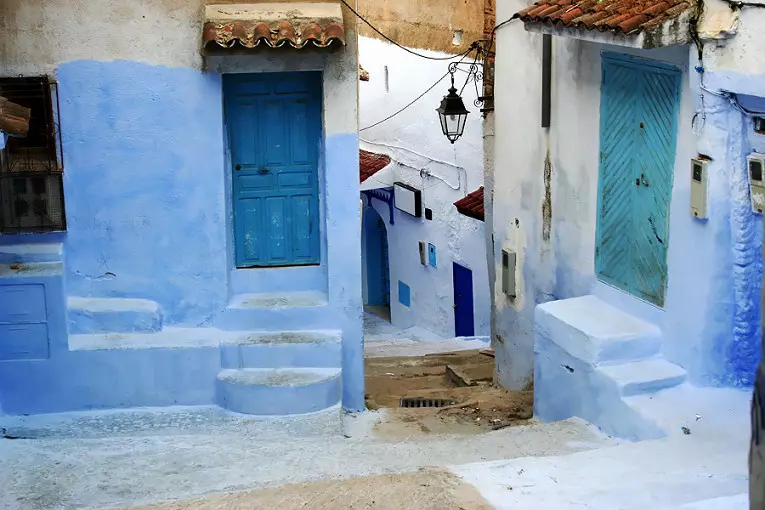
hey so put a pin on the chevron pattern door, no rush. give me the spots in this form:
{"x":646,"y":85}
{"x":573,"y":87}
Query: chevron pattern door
{"x":638,"y":134}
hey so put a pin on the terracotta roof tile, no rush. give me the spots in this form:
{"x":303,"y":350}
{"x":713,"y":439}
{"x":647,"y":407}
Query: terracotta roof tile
{"x":250,"y":25}
{"x":627,"y":17}
{"x":472,"y":205}
{"x":371,"y":163}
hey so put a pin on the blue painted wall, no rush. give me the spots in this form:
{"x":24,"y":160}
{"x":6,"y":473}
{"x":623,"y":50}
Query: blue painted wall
{"x":144,"y":185}
{"x":147,"y":198}
{"x":710,"y":321}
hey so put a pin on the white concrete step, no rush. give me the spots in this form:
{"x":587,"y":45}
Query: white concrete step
{"x":646,"y":376}
{"x":278,"y":391}
{"x":269,"y":349}
{"x":596,"y":332}
{"x":113,"y":315}
{"x":277,"y":311}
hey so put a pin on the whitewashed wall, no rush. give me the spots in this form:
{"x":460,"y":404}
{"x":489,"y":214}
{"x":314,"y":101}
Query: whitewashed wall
{"x":700,"y":310}
{"x":414,"y":141}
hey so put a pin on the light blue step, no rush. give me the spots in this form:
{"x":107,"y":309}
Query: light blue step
{"x":284,"y":349}
{"x":31,"y":253}
{"x":277,"y":311}
{"x":113,"y":315}
{"x":646,"y":376}
{"x":278,"y":391}
{"x":595,"y":332}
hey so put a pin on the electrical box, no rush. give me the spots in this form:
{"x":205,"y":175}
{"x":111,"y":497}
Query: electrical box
{"x":756,"y":169}
{"x":508,"y":273}
{"x":699,"y":188}
{"x":432,"y":254}
{"x":423,"y":253}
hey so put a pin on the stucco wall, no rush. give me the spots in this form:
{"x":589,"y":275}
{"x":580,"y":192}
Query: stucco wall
{"x":147,"y":177}
{"x":428,"y":24}
{"x":704,"y":265}
{"x":414,"y":141}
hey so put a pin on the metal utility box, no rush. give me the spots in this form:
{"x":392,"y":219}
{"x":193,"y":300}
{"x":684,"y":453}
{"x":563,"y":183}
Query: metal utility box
{"x":508,"y":273}
{"x":756,"y":171}
{"x":423,"y":253}
{"x":699,"y":188}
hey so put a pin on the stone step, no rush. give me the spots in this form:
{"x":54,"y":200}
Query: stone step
{"x":646,"y":376}
{"x":113,"y":315}
{"x":277,"y":311}
{"x":596,"y":332}
{"x":266,"y":349}
{"x":31,"y":253}
{"x":278,"y":391}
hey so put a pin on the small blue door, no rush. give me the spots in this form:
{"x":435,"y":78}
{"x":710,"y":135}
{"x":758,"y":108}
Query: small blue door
{"x":274,"y":129}
{"x":638,"y":130}
{"x":464,"y":322}
{"x":378,"y":272}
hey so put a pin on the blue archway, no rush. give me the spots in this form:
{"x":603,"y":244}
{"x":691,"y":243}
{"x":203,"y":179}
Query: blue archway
{"x":377,"y":266}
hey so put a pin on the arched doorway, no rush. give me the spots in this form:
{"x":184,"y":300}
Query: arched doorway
{"x":376,"y":264}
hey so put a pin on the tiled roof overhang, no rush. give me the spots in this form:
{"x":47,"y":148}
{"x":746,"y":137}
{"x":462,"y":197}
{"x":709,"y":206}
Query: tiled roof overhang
{"x":624,"y":17}
{"x":274,"y":25}
{"x":14,"y":118}
{"x":472,"y":205}
{"x":371,"y":163}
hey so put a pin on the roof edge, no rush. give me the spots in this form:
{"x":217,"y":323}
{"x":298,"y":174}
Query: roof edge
{"x":672,"y":32}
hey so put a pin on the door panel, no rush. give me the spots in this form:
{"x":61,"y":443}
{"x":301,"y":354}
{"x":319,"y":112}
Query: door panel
{"x":274,"y":124}
{"x":637,"y":153}
{"x":464,"y":322}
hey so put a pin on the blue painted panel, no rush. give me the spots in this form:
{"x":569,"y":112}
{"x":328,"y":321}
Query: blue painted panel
{"x":22,"y":303}
{"x":23,"y":341}
{"x":432,"y":254}
{"x":639,"y":101}
{"x":404,"y":294}
{"x":274,"y":124}
{"x":464,"y":318}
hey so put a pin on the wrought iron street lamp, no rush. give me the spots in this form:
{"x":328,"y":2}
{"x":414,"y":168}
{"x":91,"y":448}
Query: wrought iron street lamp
{"x":452,"y":114}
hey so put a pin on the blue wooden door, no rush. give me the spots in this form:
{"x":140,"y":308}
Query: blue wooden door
{"x":274,"y":127}
{"x":639,"y":103}
{"x":464,"y":322}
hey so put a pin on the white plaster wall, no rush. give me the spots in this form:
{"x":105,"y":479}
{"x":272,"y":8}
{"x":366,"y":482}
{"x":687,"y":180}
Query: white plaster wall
{"x":38,"y":34}
{"x":734,"y":45}
{"x":414,"y":141}
{"x":417,"y":127}
{"x":563,"y":266}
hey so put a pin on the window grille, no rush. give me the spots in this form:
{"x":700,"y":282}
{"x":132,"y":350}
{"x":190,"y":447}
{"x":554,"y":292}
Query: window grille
{"x":31,"y":167}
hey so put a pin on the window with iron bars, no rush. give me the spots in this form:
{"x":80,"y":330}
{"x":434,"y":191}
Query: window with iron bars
{"x":31,"y":168}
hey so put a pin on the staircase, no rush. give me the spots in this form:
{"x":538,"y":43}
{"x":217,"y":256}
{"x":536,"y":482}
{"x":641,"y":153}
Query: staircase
{"x":590,"y":358}
{"x":281,"y":373}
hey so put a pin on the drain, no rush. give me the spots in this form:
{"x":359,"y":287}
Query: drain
{"x":425,"y":402}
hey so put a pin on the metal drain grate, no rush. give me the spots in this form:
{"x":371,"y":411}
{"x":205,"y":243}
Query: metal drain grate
{"x":425,"y":402}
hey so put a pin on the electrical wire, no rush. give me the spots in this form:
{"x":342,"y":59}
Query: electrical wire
{"x":408,"y":105}
{"x":451,"y":57}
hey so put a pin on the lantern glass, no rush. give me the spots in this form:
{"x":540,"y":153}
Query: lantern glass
{"x":452,"y":115}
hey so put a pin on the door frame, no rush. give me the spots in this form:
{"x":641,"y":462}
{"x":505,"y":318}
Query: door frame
{"x":318,"y":80}
{"x":639,"y":64}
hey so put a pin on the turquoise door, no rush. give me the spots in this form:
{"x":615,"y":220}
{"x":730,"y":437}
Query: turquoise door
{"x":639,"y":103}
{"x":274,"y":129}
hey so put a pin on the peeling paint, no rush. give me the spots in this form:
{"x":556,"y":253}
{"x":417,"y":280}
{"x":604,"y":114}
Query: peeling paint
{"x":547,"y":201}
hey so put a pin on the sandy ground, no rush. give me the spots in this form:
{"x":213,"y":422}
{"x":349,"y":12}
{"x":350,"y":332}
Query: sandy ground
{"x":424,"y":490}
{"x":474,"y":409}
